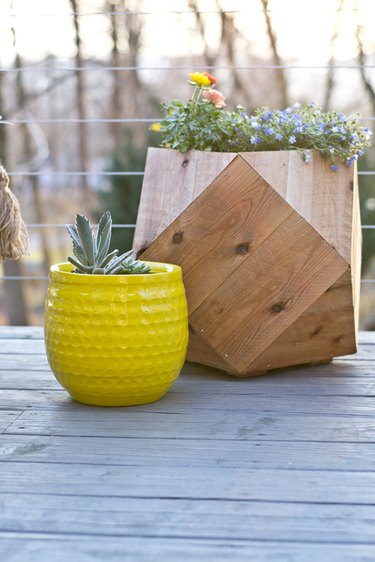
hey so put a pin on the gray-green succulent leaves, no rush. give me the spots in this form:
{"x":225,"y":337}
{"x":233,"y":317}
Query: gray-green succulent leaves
{"x":91,"y":250}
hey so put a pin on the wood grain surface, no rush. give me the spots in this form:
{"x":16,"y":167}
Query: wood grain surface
{"x":279,"y":467}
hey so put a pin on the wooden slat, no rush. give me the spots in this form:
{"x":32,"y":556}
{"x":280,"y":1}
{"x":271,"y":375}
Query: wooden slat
{"x":270,"y":290}
{"x":340,"y":378}
{"x":190,"y":482}
{"x":183,"y":453}
{"x":61,"y":547}
{"x":7,"y":417}
{"x":195,"y":424}
{"x":171,"y":181}
{"x":238,"y":210}
{"x":249,"y":401}
{"x":327,"y":200}
{"x":21,"y":332}
{"x":328,"y":324}
{"x":143,"y":517}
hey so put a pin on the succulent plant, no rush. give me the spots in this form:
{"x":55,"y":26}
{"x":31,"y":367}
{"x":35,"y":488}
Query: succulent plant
{"x":91,"y":250}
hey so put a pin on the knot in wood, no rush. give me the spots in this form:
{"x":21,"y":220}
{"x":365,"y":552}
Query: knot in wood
{"x":177,"y":237}
{"x":185,"y":162}
{"x":277,"y":307}
{"x":242,"y":248}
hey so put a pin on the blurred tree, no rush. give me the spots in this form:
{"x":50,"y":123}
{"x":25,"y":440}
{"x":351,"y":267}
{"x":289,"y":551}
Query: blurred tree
{"x":280,"y":74}
{"x":81,"y":105}
{"x":367,"y":200}
{"x":122,"y":197}
{"x":331,"y":63}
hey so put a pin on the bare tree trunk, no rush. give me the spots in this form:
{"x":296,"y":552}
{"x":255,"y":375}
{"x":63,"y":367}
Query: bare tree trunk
{"x":361,"y":62}
{"x":228,"y":37}
{"x":331,"y":71}
{"x":81,"y":107}
{"x":209,"y":59}
{"x":134,"y":27}
{"x":15,"y":302}
{"x":280,"y":75}
{"x":28,"y":154}
{"x":116,"y":106}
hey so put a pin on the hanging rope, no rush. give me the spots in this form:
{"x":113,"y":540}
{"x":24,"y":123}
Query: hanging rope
{"x":13,"y":233}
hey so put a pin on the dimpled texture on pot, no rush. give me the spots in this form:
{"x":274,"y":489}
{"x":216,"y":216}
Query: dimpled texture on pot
{"x":116,"y":340}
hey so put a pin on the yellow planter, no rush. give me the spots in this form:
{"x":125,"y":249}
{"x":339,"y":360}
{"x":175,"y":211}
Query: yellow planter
{"x":116,"y":340}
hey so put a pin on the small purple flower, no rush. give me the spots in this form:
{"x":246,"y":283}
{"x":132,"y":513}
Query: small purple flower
{"x":278,"y":136}
{"x":244,"y":115}
{"x":334,"y":167}
{"x":367,"y":132}
{"x":292,"y":139}
{"x":255,"y":125}
{"x":360,"y":152}
{"x":254,"y":139}
{"x":268,"y":130}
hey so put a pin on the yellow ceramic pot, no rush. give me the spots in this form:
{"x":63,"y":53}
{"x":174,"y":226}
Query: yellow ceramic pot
{"x":116,"y":340}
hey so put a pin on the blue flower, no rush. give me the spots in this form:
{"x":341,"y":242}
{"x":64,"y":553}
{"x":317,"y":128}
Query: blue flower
{"x":267,"y":115}
{"x":360,"y":152}
{"x":268,"y":130}
{"x":278,"y":136}
{"x":254,"y":140}
{"x":334,"y":167}
{"x":255,"y":125}
{"x":334,"y":130}
{"x":292,"y":139}
{"x":367,"y":132}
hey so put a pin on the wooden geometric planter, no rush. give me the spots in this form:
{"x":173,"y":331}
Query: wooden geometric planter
{"x":270,"y":248}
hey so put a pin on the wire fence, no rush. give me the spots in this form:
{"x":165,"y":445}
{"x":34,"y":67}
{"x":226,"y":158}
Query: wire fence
{"x":101,"y":67}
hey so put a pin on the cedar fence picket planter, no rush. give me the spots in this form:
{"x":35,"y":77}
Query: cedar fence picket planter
{"x":270,"y":248}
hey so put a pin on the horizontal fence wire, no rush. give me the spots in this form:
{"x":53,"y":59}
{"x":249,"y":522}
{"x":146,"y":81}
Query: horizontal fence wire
{"x":182,"y":12}
{"x":106,"y":173}
{"x":49,"y":69}
{"x":101,"y":68}
{"x":63,"y":121}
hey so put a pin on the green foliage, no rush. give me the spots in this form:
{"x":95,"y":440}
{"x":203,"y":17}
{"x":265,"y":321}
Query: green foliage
{"x":91,"y":250}
{"x":202,"y":124}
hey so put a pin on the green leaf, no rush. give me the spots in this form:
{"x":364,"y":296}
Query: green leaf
{"x":86,"y":238}
{"x":103,"y":237}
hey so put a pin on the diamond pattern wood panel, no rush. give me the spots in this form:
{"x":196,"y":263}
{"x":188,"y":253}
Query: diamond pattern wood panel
{"x":265,"y":288}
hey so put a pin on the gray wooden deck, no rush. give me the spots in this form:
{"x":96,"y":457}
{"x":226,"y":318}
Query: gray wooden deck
{"x":278,"y":468}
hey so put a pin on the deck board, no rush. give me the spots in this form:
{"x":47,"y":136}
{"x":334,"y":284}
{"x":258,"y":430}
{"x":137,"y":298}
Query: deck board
{"x":280,"y":467}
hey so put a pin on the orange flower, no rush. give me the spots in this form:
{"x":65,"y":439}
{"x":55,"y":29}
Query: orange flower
{"x":215,"y":97}
{"x":211,"y":78}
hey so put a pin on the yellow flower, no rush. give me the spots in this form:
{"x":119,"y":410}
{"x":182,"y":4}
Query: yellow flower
{"x":200,"y":79}
{"x":156,"y":127}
